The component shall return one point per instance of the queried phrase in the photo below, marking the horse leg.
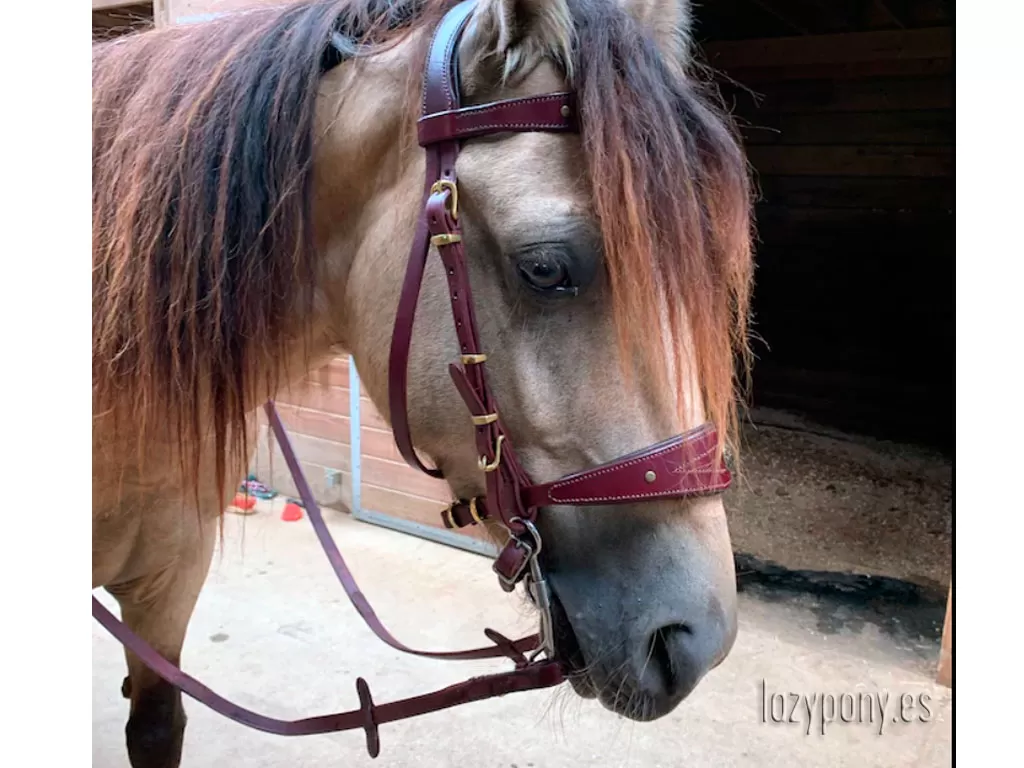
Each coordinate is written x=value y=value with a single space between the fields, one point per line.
x=158 y=607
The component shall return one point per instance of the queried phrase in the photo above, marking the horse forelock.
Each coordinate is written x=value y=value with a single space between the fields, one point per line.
x=672 y=192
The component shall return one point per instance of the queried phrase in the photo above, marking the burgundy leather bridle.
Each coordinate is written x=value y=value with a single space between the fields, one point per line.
x=681 y=467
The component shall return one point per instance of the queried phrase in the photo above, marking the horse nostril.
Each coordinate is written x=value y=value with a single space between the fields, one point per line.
x=662 y=650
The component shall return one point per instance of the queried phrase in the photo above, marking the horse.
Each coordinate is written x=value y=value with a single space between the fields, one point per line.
x=252 y=214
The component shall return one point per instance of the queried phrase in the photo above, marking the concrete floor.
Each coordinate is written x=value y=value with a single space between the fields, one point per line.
x=275 y=632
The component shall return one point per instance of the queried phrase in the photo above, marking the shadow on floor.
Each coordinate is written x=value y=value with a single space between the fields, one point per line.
x=911 y=615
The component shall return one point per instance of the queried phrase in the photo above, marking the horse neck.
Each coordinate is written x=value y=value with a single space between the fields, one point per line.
x=368 y=178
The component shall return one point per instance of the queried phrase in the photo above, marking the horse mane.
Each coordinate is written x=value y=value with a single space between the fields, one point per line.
x=203 y=139
x=203 y=259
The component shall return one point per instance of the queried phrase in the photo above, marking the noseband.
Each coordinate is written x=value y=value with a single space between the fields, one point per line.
x=681 y=467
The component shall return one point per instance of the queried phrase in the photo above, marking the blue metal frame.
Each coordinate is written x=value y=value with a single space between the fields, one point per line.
x=354 y=438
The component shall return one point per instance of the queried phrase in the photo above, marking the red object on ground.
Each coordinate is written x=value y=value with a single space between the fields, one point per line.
x=243 y=502
x=291 y=512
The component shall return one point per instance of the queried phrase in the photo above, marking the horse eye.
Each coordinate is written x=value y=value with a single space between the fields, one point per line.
x=549 y=277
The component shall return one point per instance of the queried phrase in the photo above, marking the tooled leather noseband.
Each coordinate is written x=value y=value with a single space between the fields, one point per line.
x=680 y=467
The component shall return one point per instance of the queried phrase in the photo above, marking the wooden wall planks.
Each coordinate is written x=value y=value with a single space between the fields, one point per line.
x=854 y=171
x=317 y=416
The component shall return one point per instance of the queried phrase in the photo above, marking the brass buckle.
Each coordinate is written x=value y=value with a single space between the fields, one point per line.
x=449 y=517
x=472 y=511
x=491 y=466
x=440 y=186
x=474 y=359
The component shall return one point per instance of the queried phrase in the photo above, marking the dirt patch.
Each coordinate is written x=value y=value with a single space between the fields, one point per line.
x=811 y=499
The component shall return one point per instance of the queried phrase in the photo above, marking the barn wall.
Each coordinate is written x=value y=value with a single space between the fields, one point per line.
x=851 y=139
x=112 y=18
x=317 y=416
x=190 y=10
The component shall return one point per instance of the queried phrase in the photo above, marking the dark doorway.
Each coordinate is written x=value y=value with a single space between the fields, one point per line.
x=846 y=109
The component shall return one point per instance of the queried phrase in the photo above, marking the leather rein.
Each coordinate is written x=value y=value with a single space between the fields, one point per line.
x=680 y=467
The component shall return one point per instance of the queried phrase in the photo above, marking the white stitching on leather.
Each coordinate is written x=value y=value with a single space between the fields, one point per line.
x=506 y=125
x=632 y=496
x=513 y=102
x=598 y=472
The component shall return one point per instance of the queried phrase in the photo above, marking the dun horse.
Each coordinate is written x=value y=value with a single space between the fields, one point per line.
x=253 y=210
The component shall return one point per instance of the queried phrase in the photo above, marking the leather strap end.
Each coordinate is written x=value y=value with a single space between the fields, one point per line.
x=509 y=647
x=511 y=564
x=366 y=708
